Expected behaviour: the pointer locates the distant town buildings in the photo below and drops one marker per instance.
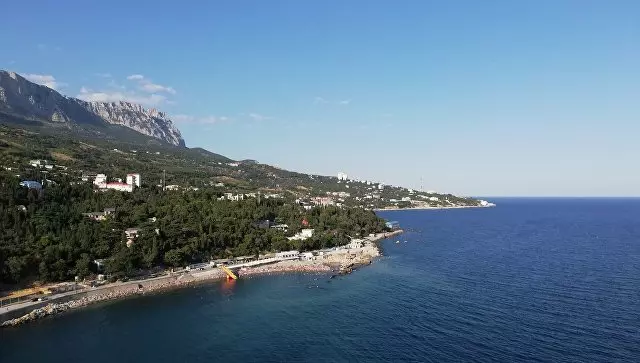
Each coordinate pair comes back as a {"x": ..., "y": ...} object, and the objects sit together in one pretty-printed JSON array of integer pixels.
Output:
[
  {"x": 343, "y": 176},
  {"x": 323, "y": 201}
]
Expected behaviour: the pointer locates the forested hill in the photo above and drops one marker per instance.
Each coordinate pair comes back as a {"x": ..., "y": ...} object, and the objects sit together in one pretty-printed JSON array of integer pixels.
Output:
[
  {"x": 45, "y": 237},
  {"x": 192, "y": 205},
  {"x": 184, "y": 168}
]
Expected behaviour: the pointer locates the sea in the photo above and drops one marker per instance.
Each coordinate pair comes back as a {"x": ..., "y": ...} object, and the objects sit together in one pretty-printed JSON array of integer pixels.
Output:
[{"x": 530, "y": 280}]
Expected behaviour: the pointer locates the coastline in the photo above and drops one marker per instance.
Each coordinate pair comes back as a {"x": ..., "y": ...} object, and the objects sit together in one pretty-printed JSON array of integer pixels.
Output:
[
  {"x": 435, "y": 208},
  {"x": 340, "y": 261}
]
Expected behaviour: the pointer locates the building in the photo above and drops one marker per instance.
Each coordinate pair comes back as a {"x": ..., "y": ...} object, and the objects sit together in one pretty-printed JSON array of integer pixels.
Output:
[
  {"x": 355, "y": 243},
  {"x": 31, "y": 184},
  {"x": 38, "y": 163},
  {"x": 96, "y": 216},
  {"x": 131, "y": 233},
  {"x": 100, "y": 179},
  {"x": 234, "y": 198},
  {"x": 221, "y": 261},
  {"x": 323, "y": 201},
  {"x": 86, "y": 176},
  {"x": 307, "y": 256},
  {"x": 302, "y": 235},
  {"x": 281, "y": 227},
  {"x": 122, "y": 187},
  {"x": 133, "y": 179},
  {"x": 99, "y": 265},
  {"x": 393, "y": 225},
  {"x": 287, "y": 255},
  {"x": 342, "y": 176}
]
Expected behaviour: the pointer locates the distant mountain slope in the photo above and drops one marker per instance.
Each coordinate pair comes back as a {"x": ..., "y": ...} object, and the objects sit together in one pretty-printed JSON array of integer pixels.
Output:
[
  {"x": 186, "y": 169},
  {"x": 21, "y": 98}
]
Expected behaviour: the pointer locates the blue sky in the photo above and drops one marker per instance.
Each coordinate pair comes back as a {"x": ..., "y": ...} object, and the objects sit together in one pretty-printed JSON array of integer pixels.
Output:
[{"x": 475, "y": 97}]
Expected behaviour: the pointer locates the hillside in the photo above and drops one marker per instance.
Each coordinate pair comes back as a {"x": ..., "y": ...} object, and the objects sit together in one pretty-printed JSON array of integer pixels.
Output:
[{"x": 184, "y": 168}]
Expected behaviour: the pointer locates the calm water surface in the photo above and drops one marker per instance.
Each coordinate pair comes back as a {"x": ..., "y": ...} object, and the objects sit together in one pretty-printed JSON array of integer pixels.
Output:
[{"x": 531, "y": 280}]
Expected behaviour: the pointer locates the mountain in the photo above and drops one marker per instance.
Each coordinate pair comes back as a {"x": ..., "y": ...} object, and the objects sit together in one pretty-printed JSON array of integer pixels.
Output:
[{"x": 24, "y": 100}]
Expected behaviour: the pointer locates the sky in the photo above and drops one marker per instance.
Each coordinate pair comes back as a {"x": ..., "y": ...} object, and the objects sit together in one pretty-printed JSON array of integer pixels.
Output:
[{"x": 478, "y": 98}]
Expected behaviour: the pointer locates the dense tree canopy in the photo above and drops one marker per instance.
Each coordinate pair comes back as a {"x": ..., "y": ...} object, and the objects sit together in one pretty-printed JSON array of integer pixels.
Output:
[{"x": 45, "y": 236}]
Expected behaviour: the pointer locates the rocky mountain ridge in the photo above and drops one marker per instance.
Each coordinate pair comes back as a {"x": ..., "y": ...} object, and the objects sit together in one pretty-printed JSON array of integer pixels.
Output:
[{"x": 19, "y": 96}]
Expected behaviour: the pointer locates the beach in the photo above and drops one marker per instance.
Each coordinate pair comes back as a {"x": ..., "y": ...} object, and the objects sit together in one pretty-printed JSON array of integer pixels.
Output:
[{"x": 335, "y": 261}]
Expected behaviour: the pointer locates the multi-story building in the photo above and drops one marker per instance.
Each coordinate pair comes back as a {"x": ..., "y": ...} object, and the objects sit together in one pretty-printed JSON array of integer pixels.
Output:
[{"x": 133, "y": 179}]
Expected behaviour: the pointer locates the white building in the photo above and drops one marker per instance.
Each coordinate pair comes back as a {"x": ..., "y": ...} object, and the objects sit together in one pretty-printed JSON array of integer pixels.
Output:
[
  {"x": 133, "y": 179},
  {"x": 100, "y": 179},
  {"x": 342, "y": 176},
  {"x": 304, "y": 234},
  {"x": 122, "y": 187},
  {"x": 355, "y": 243},
  {"x": 287, "y": 255},
  {"x": 234, "y": 197},
  {"x": 307, "y": 256}
]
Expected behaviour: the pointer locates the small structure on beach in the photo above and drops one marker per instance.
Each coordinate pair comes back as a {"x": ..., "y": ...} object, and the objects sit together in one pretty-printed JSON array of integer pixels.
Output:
[
  {"x": 287, "y": 255},
  {"x": 221, "y": 261},
  {"x": 307, "y": 256}
]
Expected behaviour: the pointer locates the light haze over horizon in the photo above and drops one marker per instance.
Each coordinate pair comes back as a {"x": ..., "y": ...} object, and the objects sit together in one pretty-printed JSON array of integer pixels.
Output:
[{"x": 496, "y": 98}]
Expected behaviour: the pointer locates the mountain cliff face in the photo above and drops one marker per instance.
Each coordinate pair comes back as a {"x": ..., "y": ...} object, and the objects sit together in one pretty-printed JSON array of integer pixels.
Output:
[
  {"x": 148, "y": 122},
  {"x": 21, "y": 97}
]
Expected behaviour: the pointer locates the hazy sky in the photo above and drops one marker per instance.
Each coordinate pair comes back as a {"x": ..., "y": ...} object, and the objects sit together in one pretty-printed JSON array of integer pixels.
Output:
[{"x": 476, "y": 97}]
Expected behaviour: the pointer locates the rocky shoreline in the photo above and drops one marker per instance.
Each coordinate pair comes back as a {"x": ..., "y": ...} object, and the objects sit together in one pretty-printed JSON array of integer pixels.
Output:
[{"x": 340, "y": 262}]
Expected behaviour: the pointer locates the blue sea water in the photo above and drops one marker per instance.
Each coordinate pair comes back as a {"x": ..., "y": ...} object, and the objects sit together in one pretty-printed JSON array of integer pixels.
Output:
[{"x": 535, "y": 280}]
